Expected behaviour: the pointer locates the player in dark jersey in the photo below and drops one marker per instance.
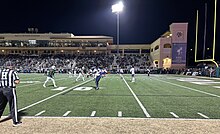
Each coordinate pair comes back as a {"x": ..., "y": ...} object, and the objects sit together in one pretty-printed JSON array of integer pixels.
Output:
[{"x": 50, "y": 76}]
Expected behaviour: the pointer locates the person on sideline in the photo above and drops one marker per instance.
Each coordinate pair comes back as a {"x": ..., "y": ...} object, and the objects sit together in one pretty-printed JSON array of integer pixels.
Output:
[{"x": 8, "y": 81}]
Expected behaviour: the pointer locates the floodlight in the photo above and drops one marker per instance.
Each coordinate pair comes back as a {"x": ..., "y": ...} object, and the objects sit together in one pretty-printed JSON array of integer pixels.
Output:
[{"x": 116, "y": 8}]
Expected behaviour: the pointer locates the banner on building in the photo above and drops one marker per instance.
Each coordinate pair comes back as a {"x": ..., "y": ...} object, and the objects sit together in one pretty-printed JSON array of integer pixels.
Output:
[{"x": 179, "y": 53}]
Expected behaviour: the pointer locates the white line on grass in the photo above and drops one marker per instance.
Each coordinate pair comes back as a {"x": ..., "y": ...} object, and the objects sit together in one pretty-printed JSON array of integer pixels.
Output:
[
  {"x": 93, "y": 113},
  {"x": 189, "y": 88},
  {"x": 50, "y": 97},
  {"x": 37, "y": 83},
  {"x": 119, "y": 113},
  {"x": 40, "y": 113},
  {"x": 68, "y": 112},
  {"x": 203, "y": 115},
  {"x": 122, "y": 118},
  {"x": 174, "y": 115},
  {"x": 216, "y": 86},
  {"x": 135, "y": 96},
  {"x": 59, "y": 88}
]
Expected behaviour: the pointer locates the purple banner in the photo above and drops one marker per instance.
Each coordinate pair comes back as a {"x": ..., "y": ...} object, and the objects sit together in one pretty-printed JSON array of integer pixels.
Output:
[{"x": 179, "y": 53}]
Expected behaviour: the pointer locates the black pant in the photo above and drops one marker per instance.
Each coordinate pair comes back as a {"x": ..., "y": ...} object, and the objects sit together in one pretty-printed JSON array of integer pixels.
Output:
[{"x": 9, "y": 95}]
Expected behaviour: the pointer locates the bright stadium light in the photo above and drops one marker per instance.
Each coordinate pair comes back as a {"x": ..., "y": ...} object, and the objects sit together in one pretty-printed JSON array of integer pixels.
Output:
[{"x": 117, "y": 8}]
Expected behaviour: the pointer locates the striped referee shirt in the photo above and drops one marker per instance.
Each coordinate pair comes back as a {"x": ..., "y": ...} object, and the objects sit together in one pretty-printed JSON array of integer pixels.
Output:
[{"x": 7, "y": 78}]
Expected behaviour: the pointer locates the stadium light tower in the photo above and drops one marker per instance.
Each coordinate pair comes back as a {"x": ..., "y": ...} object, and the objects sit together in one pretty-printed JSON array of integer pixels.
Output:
[{"x": 117, "y": 8}]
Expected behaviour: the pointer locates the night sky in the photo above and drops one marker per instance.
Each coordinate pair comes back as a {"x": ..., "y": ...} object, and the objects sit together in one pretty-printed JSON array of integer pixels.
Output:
[{"x": 142, "y": 21}]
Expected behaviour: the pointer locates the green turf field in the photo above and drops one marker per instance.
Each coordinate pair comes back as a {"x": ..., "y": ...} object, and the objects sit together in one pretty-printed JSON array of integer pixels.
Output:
[{"x": 157, "y": 96}]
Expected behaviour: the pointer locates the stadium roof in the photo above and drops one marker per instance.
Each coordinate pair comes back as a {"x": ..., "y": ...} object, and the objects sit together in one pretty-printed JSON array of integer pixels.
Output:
[{"x": 49, "y": 36}]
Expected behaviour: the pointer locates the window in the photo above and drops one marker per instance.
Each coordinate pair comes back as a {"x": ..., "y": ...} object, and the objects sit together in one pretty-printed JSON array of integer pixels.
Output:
[
  {"x": 167, "y": 45},
  {"x": 157, "y": 47}
]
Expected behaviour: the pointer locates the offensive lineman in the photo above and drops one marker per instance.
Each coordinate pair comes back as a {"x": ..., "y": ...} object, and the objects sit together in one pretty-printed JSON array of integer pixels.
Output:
[
  {"x": 8, "y": 81},
  {"x": 50, "y": 76}
]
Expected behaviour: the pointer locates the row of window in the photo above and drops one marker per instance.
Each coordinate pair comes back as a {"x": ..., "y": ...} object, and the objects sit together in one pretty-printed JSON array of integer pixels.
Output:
[{"x": 54, "y": 43}]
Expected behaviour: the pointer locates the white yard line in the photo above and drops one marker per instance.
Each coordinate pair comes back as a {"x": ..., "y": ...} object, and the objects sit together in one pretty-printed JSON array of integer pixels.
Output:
[
  {"x": 50, "y": 97},
  {"x": 116, "y": 118},
  {"x": 174, "y": 115},
  {"x": 119, "y": 113},
  {"x": 38, "y": 83},
  {"x": 136, "y": 98},
  {"x": 189, "y": 88},
  {"x": 93, "y": 113},
  {"x": 204, "y": 116},
  {"x": 67, "y": 113},
  {"x": 59, "y": 88},
  {"x": 40, "y": 113}
]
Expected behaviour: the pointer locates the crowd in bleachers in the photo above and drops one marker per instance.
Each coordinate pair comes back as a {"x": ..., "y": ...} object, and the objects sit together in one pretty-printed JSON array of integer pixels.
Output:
[
  {"x": 38, "y": 63},
  {"x": 66, "y": 63},
  {"x": 140, "y": 63},
  {"x": 95, "y": 60}
]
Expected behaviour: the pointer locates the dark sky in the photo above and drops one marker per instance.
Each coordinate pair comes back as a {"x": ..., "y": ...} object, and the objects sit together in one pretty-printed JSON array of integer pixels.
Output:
[{"x": 142, "y": 21}]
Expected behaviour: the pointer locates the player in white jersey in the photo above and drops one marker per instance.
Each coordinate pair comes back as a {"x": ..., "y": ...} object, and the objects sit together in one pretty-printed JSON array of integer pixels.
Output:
[
  {"x": 148, "y": 72},
  {"x": 70, "y": 74},
  {"x": 75, "y": 72},
  {"x": 132, "y": 74},
  {"x": 81, "y": 73}
]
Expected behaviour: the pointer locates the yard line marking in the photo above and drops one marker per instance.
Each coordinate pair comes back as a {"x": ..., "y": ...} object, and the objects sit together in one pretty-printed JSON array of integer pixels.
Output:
[
  {"x": 116, "y": 118},
  {"x": 67, "y": 90},
  {"x": 135, "y": 96},
  {"x": 174, "y": 115},
  {"x": 216, "y": 86},
  {"x": 203, "y": 115},
  {"x": 119, "y": 113},
  {"x": 68, "y": 112},
  {"x": 38, "y": 83},
  {"x": 29, "y": 82},
  {"x": 40, "y": 113},
  {"x": 205, "y": 83},
  {"x": 189, "y": 88},
  {"x": 59, "y": 88},
  {"x": 93, "y": 113},
  {"x": 193, "y": 80}
]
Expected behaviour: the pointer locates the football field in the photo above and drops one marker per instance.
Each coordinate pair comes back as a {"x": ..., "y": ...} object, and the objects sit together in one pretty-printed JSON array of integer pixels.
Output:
[{"x": 157, "y": 96}]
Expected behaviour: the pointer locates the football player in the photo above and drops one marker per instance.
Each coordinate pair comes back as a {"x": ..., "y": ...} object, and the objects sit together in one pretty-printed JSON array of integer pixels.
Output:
[
  {"x": 50, "y": 76},
  {"x": 98, "y": 76},
  {"x": 132, "y": 74},
  {"x": 81, "y": 73}
]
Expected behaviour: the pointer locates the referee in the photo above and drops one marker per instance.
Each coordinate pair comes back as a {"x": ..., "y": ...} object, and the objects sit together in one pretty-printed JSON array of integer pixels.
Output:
[{"x": 8, "y": 81}]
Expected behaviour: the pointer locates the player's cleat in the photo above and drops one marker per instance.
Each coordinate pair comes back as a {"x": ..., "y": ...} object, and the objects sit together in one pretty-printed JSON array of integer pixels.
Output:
[
  {"x": 55, "y": 86},
  {"x": 44, "y": 86},
  {"x": 17, "y": 124},
  {"x": 97, "y": 88}
]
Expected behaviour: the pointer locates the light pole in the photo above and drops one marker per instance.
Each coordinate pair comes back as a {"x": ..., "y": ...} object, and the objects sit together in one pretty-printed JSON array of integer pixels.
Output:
[{"x": 117, "y": 8}]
